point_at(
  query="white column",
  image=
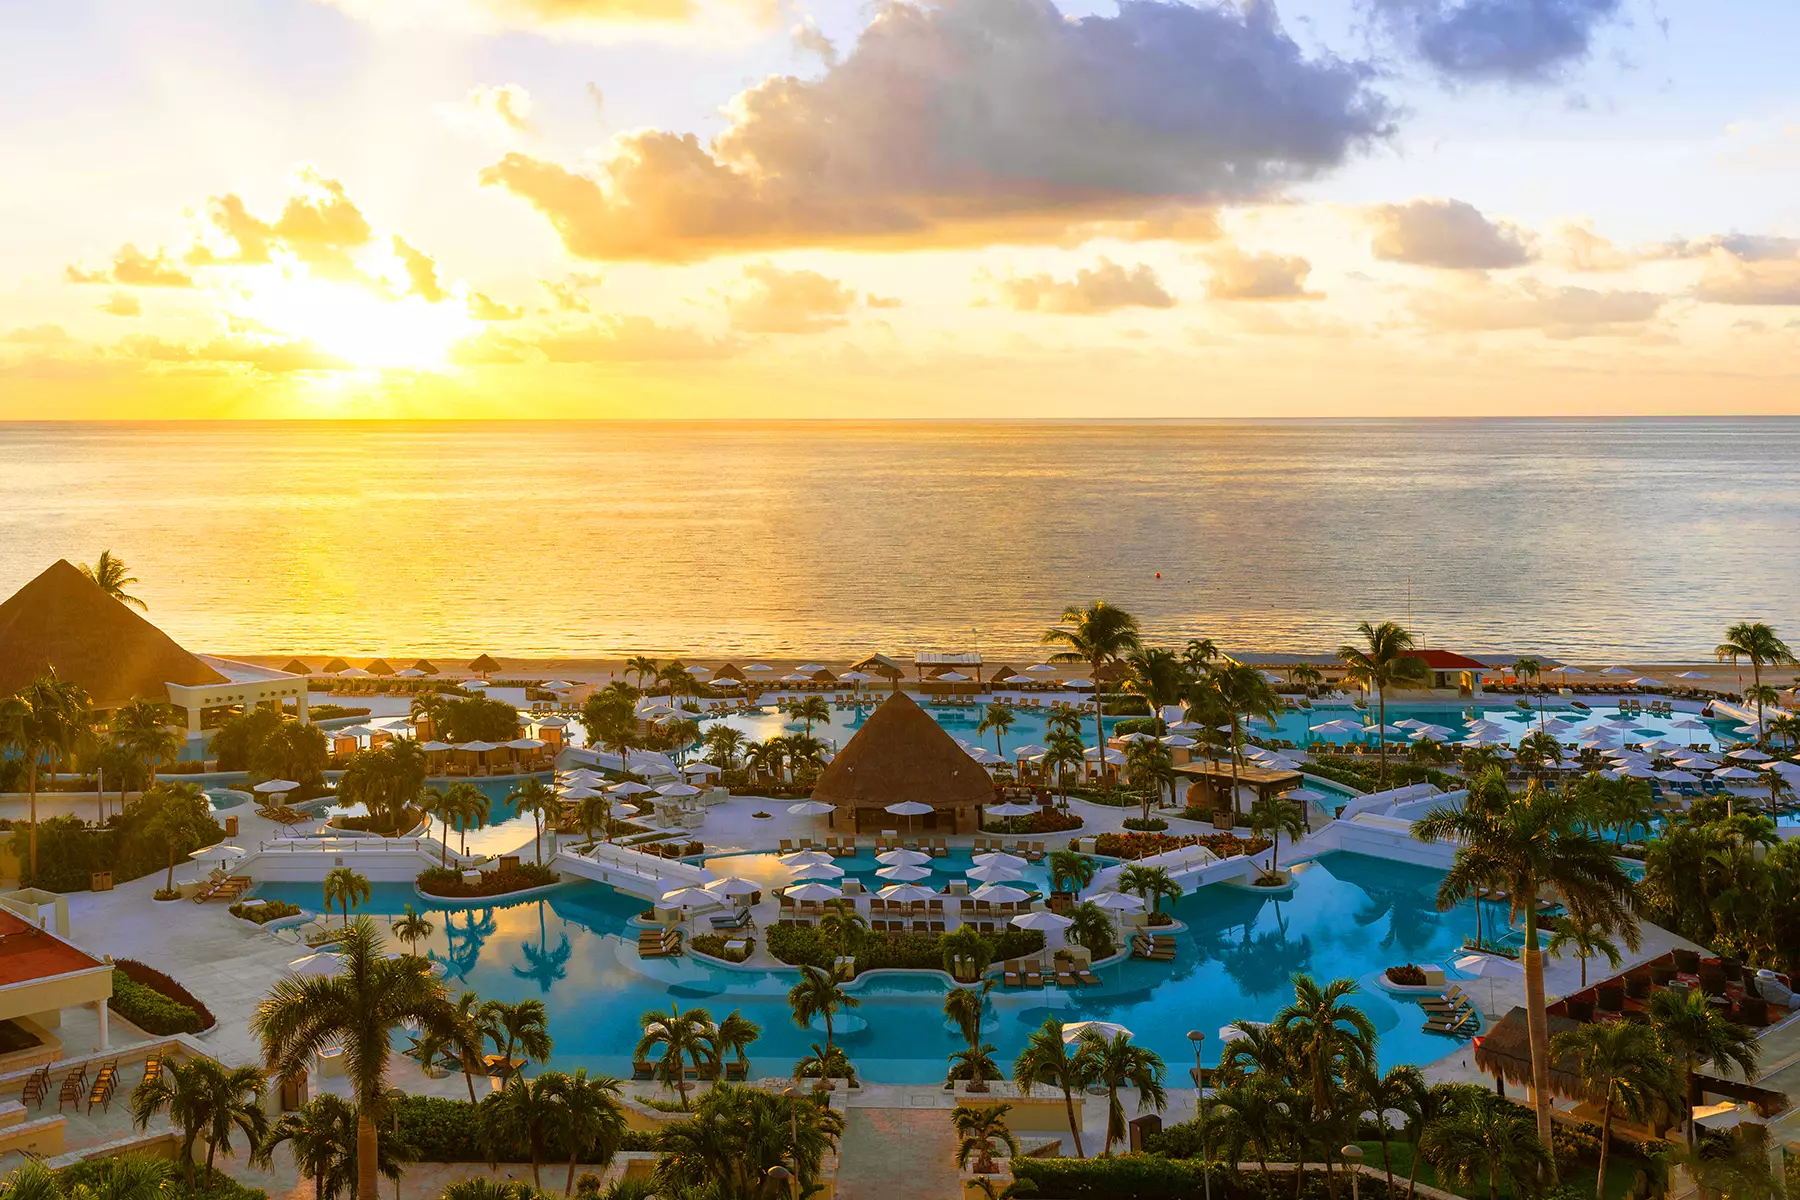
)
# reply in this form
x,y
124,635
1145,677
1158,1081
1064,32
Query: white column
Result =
x,y
105,1036
193,714
300,707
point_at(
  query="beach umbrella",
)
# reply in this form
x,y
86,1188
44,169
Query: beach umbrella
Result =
x,y
424,667
702,768
409,673
1030,751
1042,922
1750,754
478,747
1691,675
1637,770
986,758
992,873
275,786
698,671
475,685
820,871
1080,685
902,858
908,808
630,787
1688,724
902,873
1118,902
810,808
220,853
1107,1030
952,677
435,747
1002,858
525,744
579,792
334,666
1009,810
622,811
906,892
325,962
1308,796
1180,742
1488,967
687,897
1040,669
813,891
733,885
805,858
1734,773
1093,754
1019,680
760,669
677,790
856,677
1136,737
354,673
1661,746
1613,671
1432,733
1644,681
999,893
1679,777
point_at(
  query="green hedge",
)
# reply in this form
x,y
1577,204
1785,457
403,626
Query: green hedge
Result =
x,y
262,914
1129,1177
448,881
798,944
446,1130
92,1173
150,1010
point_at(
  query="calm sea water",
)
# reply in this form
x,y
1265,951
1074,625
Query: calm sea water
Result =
x,y
1601,539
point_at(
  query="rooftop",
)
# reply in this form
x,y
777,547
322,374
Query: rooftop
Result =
x,y
28,953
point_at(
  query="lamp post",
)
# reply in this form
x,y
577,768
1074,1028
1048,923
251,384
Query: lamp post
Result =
x,y
1353,1161
1197,1037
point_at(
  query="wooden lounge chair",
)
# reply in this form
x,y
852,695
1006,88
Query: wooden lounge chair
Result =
x,y
737,1071
1034,977
1065,977
1087,977
1010,974
787,845
641,1070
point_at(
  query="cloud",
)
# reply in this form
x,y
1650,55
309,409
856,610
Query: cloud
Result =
x,y
567,292
976,122
1100,289
809,39
481,308
553,17
421,271
270,356
319,226
1576,247
1451,234
38,335
1510,41
1559,312
1745,247
612,338
789,301
498,110
133,268
123,304
1730,280
874,301
1240,276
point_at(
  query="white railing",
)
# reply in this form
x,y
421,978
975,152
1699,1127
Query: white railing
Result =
x,y
341,845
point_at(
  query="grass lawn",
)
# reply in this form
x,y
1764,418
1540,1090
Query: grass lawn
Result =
x,y
1619,1171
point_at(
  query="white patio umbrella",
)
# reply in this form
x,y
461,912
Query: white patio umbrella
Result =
x,y
559,685
1074,1031
1613,671
1488,967
814,891
902,873
811,808
630,787
698,671
1030,751
908,808
409,673
986,758
902,858
1637,770
325,962
1690,725
702,768
1040,669
733,885
1002,858
1679,777
676,791
220,853
1115,757
435,747
759,669
856,677
524,744
1691,675
1042,921
1180,742
687,897
1118,902
1734,773
478,747
270,787
580,793
1750,754
1308,796
810,668
906,892
621,811
953,677
819,871
999,893
1080,685
1009,810
1019,680
1644,681
1340,725
992,873
1135,737
804,858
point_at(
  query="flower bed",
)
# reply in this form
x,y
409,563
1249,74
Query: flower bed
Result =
x,y
449,883
155,1003
262,914
1409,975
1049,820
1142,845
800,945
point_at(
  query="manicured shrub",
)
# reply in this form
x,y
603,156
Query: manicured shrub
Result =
x,y
1049,820
447,1130
154,979
798,945
1140,825
1128,1177
498,881
150,1010
1409,975
1141,845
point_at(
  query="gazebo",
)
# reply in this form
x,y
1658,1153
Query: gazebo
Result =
x,y
1212,786
901,754
882,665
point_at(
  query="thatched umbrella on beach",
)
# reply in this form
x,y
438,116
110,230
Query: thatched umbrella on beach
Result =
x,y
334,666
484,666
729,671
296,667
379,666
424,667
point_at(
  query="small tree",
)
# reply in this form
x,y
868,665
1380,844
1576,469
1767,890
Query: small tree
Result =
x,y
344,886
981,1130
208,1101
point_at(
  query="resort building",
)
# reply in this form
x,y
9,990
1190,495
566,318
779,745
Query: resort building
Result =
x,y
40,975
901,756
63,621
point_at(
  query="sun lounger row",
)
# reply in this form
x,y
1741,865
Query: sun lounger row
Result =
x,y
936,847
659,943
1031,851
1451,1013
227,887
1158,947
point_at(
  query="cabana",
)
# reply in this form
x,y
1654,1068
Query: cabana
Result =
x,y
882,665
1212,786
901,754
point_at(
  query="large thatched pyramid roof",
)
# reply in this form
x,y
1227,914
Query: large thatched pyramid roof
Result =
x,y
900,753
63,620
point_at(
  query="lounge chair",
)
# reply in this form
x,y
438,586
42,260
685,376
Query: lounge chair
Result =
x,y
74,1089
1087,977
787,845
642,1070
1065,977
37,1087
737,1071
1010,974
1033,976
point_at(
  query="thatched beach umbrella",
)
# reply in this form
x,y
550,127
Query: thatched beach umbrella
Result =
x,y
296,667
379,666
334,666
424,668
729,671
484,666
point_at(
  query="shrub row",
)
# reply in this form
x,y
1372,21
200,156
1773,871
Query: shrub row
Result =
x,y
446,1130
1140,845
93,1176
262,914
154,979
799,945
1049,820
150,1010
449,882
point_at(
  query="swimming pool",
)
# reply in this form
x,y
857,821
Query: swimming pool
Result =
x,y
1349,915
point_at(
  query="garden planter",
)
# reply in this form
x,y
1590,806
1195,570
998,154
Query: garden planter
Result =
x,y
1581,1010
1611,997
1732,969
1687,962
1712,979
1637,987
1753,1011
1662,973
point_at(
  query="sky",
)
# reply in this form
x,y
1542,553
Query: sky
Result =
x,y
967,208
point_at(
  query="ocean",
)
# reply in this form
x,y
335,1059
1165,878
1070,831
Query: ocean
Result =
x,y
1634,540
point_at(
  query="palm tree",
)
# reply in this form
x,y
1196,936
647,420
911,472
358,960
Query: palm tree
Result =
x,y
1096,635
1381,663
538,798
723,744
1331,1037
470,807
1114,1063
1091,926
807,710
145,728
524,1112
412,928
1159,677
996,719
1062,754
1397,1091
208,1101
358,1009
1071,868
1538,752
1272,816
42,723
975,1063
963,1007
462,1036
1046,1062
1490,1137
179,822
819,994
1739,1166
689,1033
1758,643
1695,1032
643,667
1241,692
1586,941
1308,677
322,1136
1627,1066
1154,884
522,1025
344,885
980,1130
846,928
1536,841
1151,769
825,1066
590,1121
1439,1102
481,1187
1250,1117
735,1035
595,812
112,576
738,1137
437,804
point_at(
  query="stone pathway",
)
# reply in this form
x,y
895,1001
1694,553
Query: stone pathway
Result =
x,y
889,1152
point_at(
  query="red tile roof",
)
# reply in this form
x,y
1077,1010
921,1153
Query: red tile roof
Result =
x,y
1448,660
27,953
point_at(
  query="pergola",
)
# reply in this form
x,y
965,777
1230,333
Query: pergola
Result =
x,y
1213,782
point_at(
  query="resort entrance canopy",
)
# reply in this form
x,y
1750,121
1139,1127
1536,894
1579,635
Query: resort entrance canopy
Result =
x,y
899,755
1212,782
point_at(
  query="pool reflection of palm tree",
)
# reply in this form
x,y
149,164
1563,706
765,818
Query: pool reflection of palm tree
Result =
x,y
1412,921
543,964
1262,964
463,942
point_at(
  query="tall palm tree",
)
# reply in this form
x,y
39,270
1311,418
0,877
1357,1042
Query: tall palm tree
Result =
x,y
1695,1032
208,1101
1527,671
1760,644
1159,676
1488,1137
807,710
1070,867
1537,841
1380,663
358,1009
145,728
980,1130
1063,754
343,885
1046,1062
412,928
1241,692
590,1121
322,1137
736,1140
1097,635
1331,1037
42,724
1568,933
538,798
1154,884
469,806
643,666
437,804
461,1036
996,719
689,1034
519,1025
1439,1102
1627,1066
819,994
1150,769
735,1035
1272,816
723,744
1398,1091
179,821
1250,1120
112,576
523,1113
1114,1063
963,1008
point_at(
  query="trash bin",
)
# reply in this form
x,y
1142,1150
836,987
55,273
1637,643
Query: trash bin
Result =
x,y
231,827
101,881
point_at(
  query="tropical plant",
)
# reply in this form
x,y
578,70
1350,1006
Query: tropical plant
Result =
x,y
1250,1120
966,944
412,928
1159,676
1098,635
1046,1062
459,1040
996,719
1240,692
1114,1063
1329,1036
207,1101
520,1025
819,995
735,1035
345,886
1489,1138
1272,816
357,1009
469,807
42,724
523,1113
588,1121
611,723
1308,677
1534,842
1627,1066
1762,646
145,728
1567,934
1151,770
963,1008
807,710
1064,753
1153,884
981,1130
534,796
1737,1166
1538,752
690,1035
1693,1032
826,1065
1382,662
178,820
112,576
975,1063
1071,870
322,1137
1398,1090
1091,926
723,744
643,666
847,928
736,1139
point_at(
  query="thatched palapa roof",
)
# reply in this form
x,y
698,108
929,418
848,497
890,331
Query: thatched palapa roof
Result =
x,y
900,753
1505,1050
879,664
484,664
296,667
424,666
334,666
62,620
730,671
379,666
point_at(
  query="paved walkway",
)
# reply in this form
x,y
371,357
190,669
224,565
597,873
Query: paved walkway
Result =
x,y
889,1152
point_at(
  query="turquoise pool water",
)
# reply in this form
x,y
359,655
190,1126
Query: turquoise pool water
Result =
x,y
1349,915
768,870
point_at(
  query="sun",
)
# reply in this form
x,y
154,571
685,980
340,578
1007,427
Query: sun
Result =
x,y
361,327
